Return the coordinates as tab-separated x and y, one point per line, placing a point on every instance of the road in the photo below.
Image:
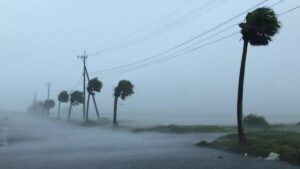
35	143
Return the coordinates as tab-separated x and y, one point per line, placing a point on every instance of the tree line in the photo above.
123	90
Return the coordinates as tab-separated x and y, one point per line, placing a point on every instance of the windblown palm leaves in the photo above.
260	26
49	104
76	99
94	85
123	90
64	98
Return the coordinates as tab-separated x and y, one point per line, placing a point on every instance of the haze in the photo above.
40	41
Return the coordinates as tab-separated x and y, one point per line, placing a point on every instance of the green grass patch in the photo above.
186	129
261	143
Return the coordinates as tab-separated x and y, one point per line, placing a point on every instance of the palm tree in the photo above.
76	99
123	90
48	104
94	85
64	98
260	26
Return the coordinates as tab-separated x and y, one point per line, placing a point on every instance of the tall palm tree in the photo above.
123	90
94	85
258	29
64	98
75	99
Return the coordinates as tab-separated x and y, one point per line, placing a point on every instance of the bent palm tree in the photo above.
64	98
76	99
261	24
123	90
94	85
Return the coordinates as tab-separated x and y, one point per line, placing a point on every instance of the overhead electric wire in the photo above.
169	57
288	11
189	51
146	27
76	84
164	28
185	42
277	3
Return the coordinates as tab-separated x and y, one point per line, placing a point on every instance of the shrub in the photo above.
255	121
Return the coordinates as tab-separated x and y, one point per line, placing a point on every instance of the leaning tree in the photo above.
48	104
258	29
94	85
123	90
63	97
75	99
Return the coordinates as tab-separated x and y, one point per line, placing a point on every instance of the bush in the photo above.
255	121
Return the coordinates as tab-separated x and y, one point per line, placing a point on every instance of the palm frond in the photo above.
260	26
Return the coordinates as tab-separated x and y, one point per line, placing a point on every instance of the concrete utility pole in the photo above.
94	100
48	85
83	57
48	97
35	97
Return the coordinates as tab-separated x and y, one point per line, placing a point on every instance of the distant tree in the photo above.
49	104
254	120
63	97
36	107
76	99
123	90
260	26
94	85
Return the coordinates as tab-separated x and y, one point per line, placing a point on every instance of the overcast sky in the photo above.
40	41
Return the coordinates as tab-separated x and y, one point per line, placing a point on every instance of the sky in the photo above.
41	39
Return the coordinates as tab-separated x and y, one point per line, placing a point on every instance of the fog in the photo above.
36	143
40	41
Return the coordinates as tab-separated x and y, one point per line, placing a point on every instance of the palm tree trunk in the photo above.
115	123
87	109
58	112
69	115
241	134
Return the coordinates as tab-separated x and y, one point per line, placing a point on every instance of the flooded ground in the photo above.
35	143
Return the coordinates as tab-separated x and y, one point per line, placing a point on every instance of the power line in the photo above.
277	3
185	51
169	56
147	26
76	84
189	51
185	42
290	10
144	60
163	29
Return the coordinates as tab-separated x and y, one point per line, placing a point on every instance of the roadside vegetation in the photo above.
261	143
187	129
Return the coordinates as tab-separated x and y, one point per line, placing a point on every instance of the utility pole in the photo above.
94	100
48	97
35	97
83	57
48	85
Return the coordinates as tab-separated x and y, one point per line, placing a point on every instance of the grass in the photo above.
178	129
181	129
261	143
